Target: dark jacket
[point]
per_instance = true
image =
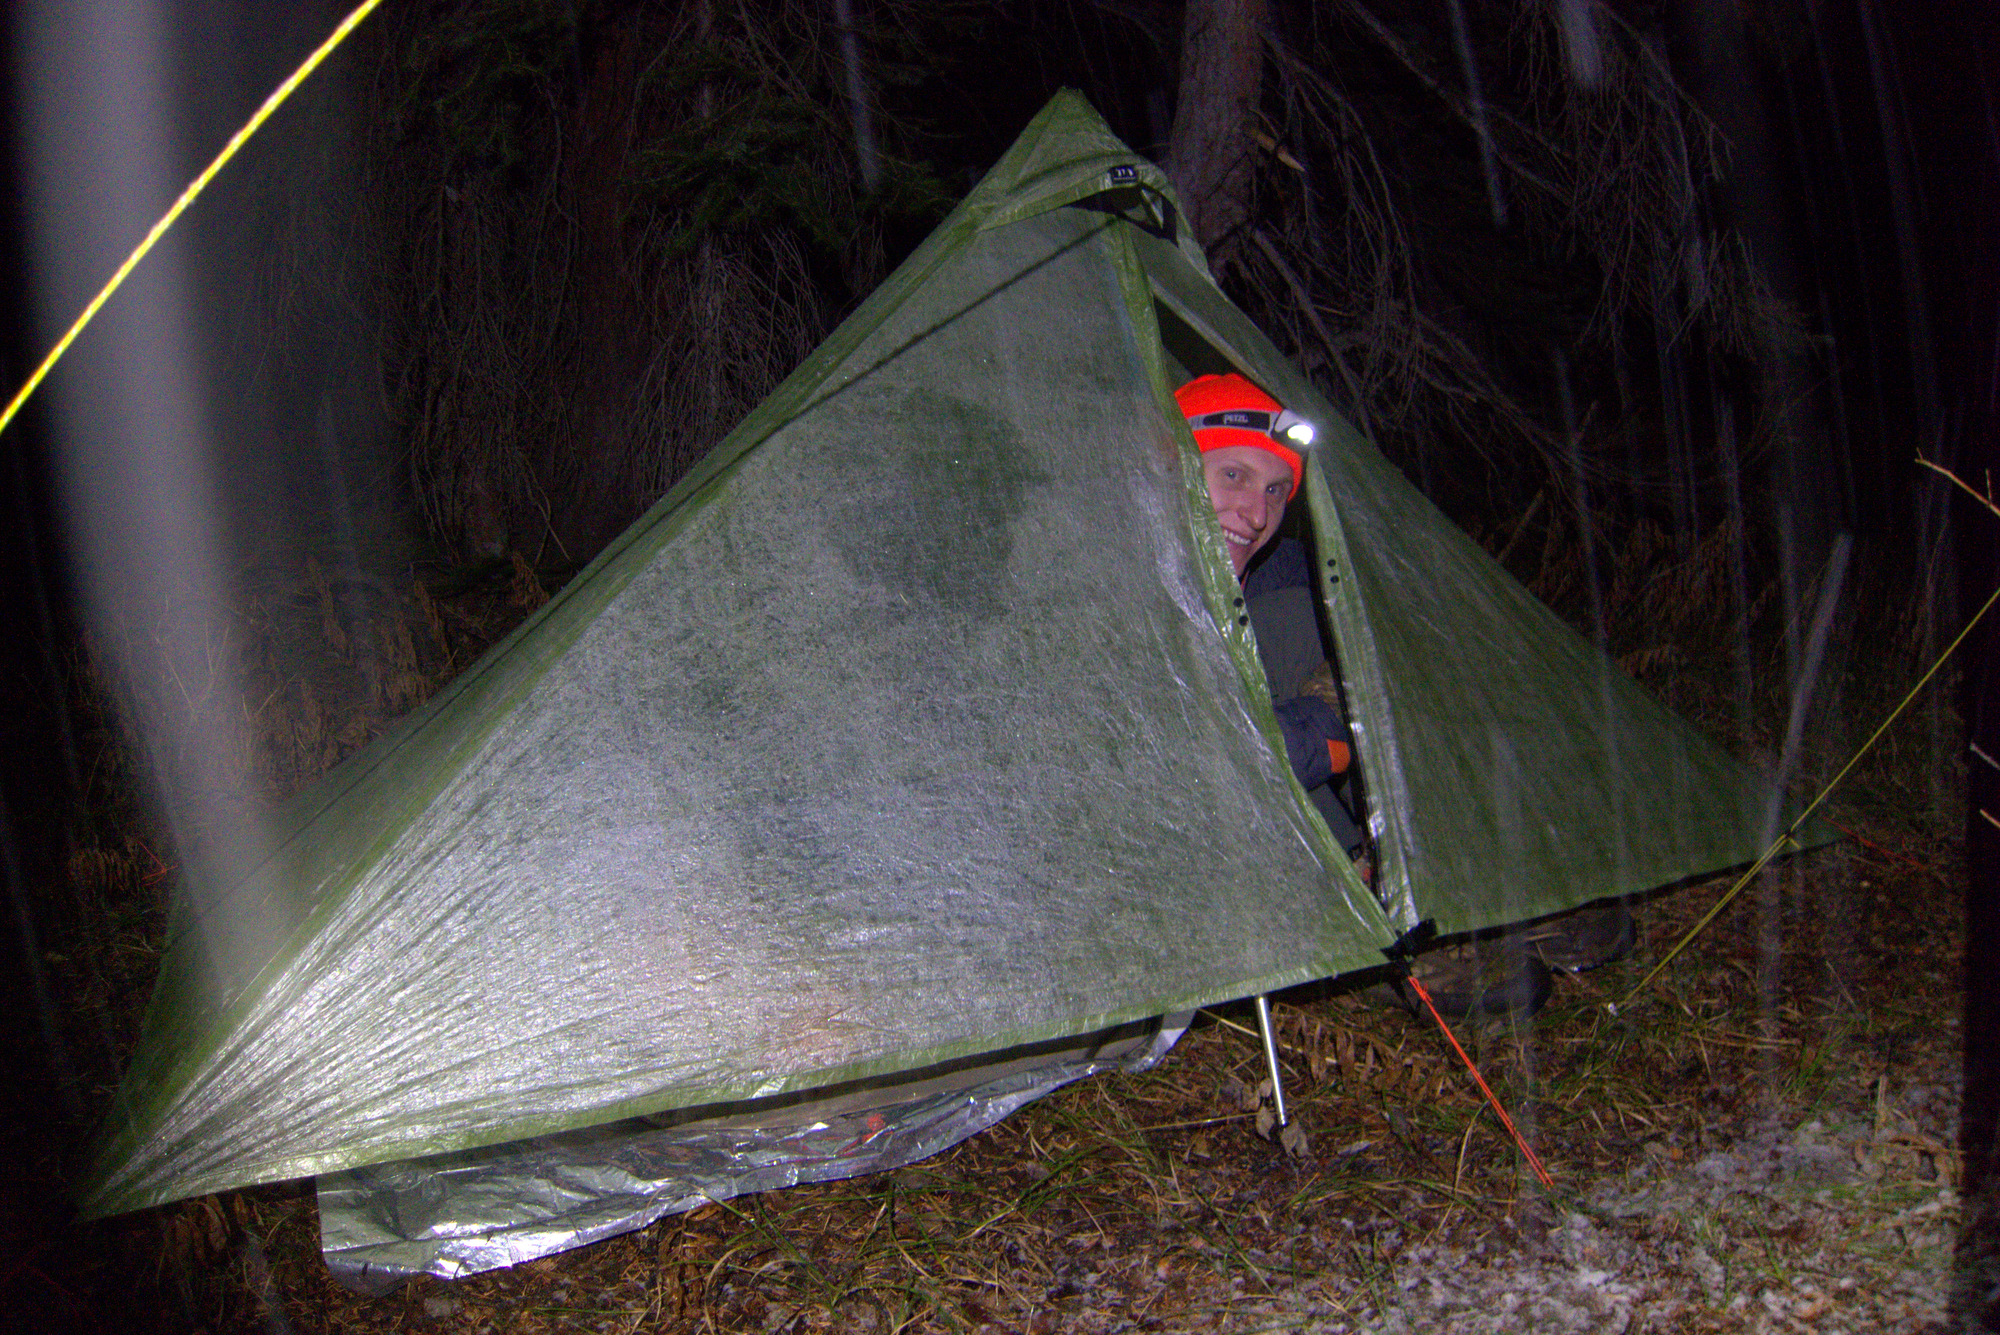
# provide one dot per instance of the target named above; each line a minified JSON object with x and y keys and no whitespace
{"x":1307,"y":722}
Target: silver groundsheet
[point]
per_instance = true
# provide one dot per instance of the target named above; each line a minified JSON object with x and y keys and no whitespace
{"x":458,"y":1214}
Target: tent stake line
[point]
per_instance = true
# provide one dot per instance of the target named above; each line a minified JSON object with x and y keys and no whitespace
{"x":1534,"y":1160}
{"x":1778,"y":844}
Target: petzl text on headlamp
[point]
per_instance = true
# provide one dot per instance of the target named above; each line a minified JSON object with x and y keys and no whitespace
{"x":1286,"y":427}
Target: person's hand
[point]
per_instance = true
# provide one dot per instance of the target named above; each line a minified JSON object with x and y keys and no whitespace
{"x":1316,"y":740}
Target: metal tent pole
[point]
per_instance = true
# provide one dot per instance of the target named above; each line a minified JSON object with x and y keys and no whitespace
{"x":1271,"y":1057}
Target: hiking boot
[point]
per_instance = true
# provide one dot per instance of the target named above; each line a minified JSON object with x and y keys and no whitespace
{"x":1477,"y":979}
{"x":1581,"y":940}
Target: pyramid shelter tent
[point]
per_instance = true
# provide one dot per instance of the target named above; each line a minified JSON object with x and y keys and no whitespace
{"x":919,"y":724}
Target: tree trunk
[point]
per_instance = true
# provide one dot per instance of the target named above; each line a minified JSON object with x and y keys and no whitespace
{"x":1209,"y":155}
{"x":598,"y":469}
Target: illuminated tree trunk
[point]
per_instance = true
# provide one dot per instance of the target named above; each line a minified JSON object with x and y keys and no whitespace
{"x":1209,"y":155}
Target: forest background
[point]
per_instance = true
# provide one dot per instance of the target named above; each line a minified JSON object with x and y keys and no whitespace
{"x":1697,"y":281}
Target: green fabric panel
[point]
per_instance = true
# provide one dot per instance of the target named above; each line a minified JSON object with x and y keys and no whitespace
{"x":910,"y":735}
{"x":216,"y":945}
{"x":229,"y":944}
{"x":1515,"y":771}
{"x":225,"y":943}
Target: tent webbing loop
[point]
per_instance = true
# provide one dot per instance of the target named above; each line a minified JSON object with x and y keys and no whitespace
{"x":1778,"y":844}
{"x":194,"y":188}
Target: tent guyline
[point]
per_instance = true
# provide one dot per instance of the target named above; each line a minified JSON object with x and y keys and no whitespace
{"x":1294,"y":1140}
{"x":1402,"y":956}
{"x":1791,"y":838}
{"x":1499,"y":1110}
{"x":900,"y":765}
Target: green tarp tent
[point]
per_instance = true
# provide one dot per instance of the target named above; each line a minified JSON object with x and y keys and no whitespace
{"x":919,"y":724}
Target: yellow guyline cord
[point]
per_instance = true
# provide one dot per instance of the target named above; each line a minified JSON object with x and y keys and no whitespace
{"x":1826,"y":792}
{"x":195,"y":187}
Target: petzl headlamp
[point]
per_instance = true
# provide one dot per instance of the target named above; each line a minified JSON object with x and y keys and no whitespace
{"x":1286,"y":427}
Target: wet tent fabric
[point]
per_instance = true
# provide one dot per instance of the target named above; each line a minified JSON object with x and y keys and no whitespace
{"x":920,"y":722}
{"x":908,"y":734}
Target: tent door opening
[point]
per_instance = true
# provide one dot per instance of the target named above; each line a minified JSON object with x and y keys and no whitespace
{"x":1295,"y":637}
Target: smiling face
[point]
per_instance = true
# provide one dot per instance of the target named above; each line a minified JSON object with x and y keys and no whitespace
{"x":1249,"y":487}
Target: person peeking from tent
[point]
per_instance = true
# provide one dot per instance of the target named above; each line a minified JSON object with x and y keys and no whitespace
{"x":1251,"y":454}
